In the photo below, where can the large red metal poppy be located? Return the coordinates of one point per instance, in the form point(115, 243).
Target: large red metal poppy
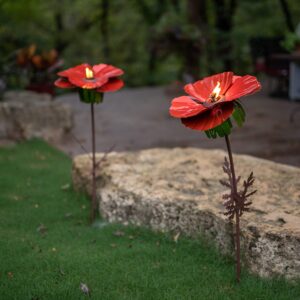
point(211, 100)
point(101, 78)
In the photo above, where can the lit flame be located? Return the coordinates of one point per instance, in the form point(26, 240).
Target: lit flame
point(89, 73)
point(216, 91)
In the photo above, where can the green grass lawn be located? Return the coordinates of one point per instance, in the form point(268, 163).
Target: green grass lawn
point(47, 249)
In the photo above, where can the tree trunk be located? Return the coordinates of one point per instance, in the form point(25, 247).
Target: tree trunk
point(104, 29)
point(197, 16)
point(151, 15)
point(59, 42)
point(287, 14)
point(225, 11)
point(197, 12)
point(152, 63)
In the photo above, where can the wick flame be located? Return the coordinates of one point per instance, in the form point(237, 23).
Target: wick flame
point(89, 73)
point(216, 91)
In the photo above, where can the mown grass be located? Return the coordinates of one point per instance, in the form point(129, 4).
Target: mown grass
point(47, 249)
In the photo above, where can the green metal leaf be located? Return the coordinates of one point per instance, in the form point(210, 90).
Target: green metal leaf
point(220, 131)
point(207, 132)
point(90, 96)
point(239, 114)
point(224, 128)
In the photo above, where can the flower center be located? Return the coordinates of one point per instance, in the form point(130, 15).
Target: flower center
point(89, 74)
point(215, 95)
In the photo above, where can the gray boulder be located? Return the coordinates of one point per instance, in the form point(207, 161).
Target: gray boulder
point(25, 115)
point(178, 190)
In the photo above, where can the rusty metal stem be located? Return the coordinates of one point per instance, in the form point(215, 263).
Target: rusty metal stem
point(94, 202)
point(237, 217)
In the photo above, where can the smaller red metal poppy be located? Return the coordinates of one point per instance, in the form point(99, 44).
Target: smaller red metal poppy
point(92, 82)
point(100, 78)
point(211, 101)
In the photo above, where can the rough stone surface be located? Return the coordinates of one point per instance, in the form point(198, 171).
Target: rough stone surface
point(178, 190)
point(25, 115)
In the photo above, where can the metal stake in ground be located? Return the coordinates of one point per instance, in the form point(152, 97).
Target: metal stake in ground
point(237, 217)
point(94, 201)
point(91, 82)
point(236, 202)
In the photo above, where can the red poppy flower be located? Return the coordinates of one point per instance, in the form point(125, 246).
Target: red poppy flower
point(101, 78)
point(211, 100)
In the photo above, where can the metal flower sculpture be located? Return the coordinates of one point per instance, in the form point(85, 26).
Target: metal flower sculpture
point(211, 105)
point(91, 82)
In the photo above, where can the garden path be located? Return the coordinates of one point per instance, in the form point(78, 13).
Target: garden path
point(137, 118)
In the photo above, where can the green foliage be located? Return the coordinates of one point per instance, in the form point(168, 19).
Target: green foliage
point(291, 41)
point(47, 249)
point(239, 114)
point(220, 131)
point(90, 96)
point(134, 29)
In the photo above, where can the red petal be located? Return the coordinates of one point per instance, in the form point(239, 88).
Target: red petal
point(112, 85)
point(225, 80)
point(84, 83)
point(183, 107)
point(235, 77)
point(203, 88)
point(210, 118)
point(78, 70)
point(243, 86)
point(107, 70)
point(63, 83)
point(198, 90)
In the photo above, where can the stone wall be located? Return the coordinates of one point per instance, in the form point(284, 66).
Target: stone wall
point(178, 190)
point(25, 115)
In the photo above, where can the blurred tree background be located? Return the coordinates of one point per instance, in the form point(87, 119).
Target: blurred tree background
point(155, 41)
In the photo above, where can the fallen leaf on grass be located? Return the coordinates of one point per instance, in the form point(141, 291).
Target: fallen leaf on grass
point(42, 229)
point(176, 237)
point(119, 233)
point(10, 274)
point(65, 187)
point(17, 197)
point(99, 224)
point(85, 289)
